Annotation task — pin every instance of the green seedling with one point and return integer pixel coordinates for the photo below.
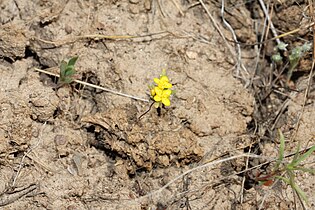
(294, 58)
(287, 170)
(67, 71)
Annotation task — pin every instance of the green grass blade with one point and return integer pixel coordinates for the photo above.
(281, 150)
(307, 170)
(299, 191)
(305, 155)
(290, 181)
(295, 157)
(295, 187)
(286, 180)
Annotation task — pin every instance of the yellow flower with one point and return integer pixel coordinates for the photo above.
(152, 92)
(162, 96)
(161, 92)
(163, 82)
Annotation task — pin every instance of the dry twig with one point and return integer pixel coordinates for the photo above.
(273, 30)
(25, 154)
(238, 47)
(97, 87)
(192, 170)
(9, 197)
(234, 57)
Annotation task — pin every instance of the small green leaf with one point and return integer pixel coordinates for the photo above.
(69, 72)
(277, 57)
(296, 54)
(306, 47)
(63, 67)
(72, 61)
(282, 46)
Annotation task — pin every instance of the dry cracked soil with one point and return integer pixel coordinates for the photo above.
(78, 147)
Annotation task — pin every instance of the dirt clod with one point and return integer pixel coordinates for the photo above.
(86, 148)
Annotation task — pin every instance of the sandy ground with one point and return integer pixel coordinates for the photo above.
(78, 147)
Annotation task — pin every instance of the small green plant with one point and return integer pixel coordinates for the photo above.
(286, 171)
(67, 71)
(294, 58)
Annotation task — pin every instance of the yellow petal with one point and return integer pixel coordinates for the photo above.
(157, 98)
(152, 92)
(156, 80)
(163, 79)
(166, 93)
(161, 86)
(158, 91)
(166, 101)
(168, 85)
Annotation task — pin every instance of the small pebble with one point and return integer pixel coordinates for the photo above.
(192, 55)
(134, 9)
(147, 5)
(60, 140)
(68, 29)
